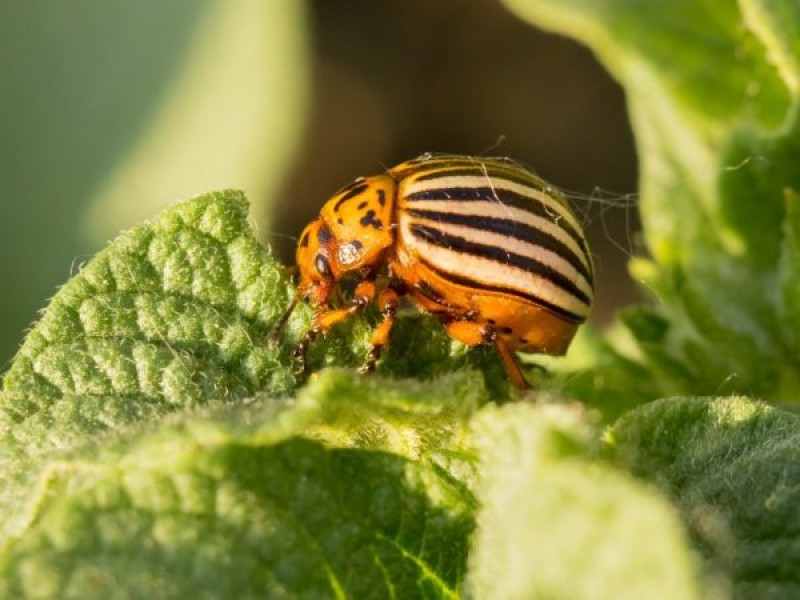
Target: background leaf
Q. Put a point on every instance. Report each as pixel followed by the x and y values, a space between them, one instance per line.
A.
pixel 730 465
pixel 713 96
pixel 113 110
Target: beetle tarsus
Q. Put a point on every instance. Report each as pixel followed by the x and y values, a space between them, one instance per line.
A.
pixel 301 350
pixel 373 356
pixel 277 328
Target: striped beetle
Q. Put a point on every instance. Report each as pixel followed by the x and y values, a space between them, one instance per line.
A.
pixel 486 246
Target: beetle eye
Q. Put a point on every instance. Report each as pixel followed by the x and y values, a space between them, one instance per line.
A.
pixel 323 266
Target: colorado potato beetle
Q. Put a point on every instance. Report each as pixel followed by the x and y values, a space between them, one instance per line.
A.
pixel 489 248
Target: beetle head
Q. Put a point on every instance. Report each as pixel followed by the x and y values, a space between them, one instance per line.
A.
pixel 316 262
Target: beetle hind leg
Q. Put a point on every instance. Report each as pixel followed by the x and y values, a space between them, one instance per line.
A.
pixel 472 334
pixel 511 364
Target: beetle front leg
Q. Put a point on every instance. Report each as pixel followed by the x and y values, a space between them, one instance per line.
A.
pixel 388 302
pixel 325 319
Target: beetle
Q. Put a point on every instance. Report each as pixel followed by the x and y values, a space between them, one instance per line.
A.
pixel 483 244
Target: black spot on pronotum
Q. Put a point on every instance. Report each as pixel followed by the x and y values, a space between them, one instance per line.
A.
pixel 362 205
pixel 369 219
pixel 324 234
pixel 340 221
pixel 381 197
pixel 355 191
pixel 323 266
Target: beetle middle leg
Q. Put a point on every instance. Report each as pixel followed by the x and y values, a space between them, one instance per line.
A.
pixel 388 301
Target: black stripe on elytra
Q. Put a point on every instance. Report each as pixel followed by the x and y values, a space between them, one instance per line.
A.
pixel 430 293
pixel 456 243
pixel 501 196
pixel 353 192
pixel 564 314
pixel 515 229
pixel 487 170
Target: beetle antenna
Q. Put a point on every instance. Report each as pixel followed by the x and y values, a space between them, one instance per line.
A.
pixel 281 322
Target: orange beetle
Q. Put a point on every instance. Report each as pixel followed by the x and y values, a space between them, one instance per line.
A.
pixel 486 246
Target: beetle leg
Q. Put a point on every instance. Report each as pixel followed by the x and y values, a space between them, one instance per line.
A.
pixel 511 364
pixel 467 332
pixel 472 334
pixel 278 326
pixel 388 301
pixel 302 348
pixel 325 318
pixel 364 292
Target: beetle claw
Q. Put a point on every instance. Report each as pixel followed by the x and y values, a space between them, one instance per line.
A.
pixel 373 356
pixel 301 350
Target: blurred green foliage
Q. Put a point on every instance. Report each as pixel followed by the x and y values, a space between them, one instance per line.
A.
pixel 111 110
pixel 152 442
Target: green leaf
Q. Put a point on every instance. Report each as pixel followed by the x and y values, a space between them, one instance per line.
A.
pixel 407 417
pixel 236 506
pixel 730 465
pixel 555 524
pixel 147 445
pixel 712 89
pixel 172 314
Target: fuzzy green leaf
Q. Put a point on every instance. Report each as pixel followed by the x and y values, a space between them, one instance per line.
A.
pixel 730 465
pixel 554 524
pixel 145 448
pixel 236 506
pixel 172 314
